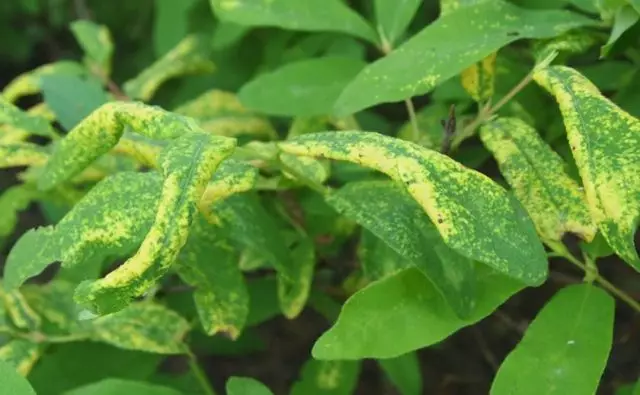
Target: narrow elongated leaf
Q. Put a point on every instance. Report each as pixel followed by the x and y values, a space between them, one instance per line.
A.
pixel 404 372
pixel 20 353
pixel 17 119
pixel 187 164
pixel 391 214
pixel 246 386
pixel 305 88
pixel 478 79
pixel 97 45
pixel 428 58
pixel 112 386
pixel 221 296
pixel 539 180
pixel 327 377
pixel 309 15
pixel 294 288
pixel 29 83
pixel 408 306
pixel 605 142
pixel 190 56
pixel 393 18
pixel 12 382
pixel 142 326
pixel 22 154
pixel 565 349
pixel 475 217
pixel 221 113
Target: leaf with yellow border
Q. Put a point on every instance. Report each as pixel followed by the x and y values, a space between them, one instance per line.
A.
pixel 22 354
pixel 539 180
pixel 29 82
pixel 22 154
pixel 13 117
pixel 605 142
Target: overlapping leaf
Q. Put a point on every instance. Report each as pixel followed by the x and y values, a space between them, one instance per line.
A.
pixel 97 44
pixel 539 180
pixel 294 289
pixel 605 142
pixel 22 154
pixel 18 310
pixel 29 83
pixel 20 353
pixel 393 17
pixel 475 217
pixel 478 79
pixel 15 119
pixel 12 382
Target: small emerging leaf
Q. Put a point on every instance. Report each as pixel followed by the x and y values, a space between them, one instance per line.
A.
pixel 97 44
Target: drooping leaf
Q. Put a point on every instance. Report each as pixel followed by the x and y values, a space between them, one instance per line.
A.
pixel 565 349
pixel 29 82
pixel 327 378
pixel 393 18
pixel 221 296
pixel 429 58
pixel 221 113
pixel 12 382
pixel 478 79
pixel 97 44
pixel 625 17
pixel 187 164
pixel 190 56
pixel 246 386
pixel 405 304
pixel 16 119
pixel 391 214
pixel 22 354
pixel 112 386
pixel 142 326
pixel 475 217
pixel 605 142
pixel 539 180
pixel 309 15
pixel 22 154
pixel 404 372
pixel 305 88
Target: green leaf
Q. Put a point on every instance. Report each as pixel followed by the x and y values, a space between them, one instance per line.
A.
pixel 112 386
pixel 400 222
pixel 625 17
pixel 190 56
pixel 309 15
pixel 305 88
pixel 12 201
pixel 54 304
pixel 475 217
pixel 209 264
pixel 221 113
pixel 478 79
pixel 327 377
pixel 429 58
pixel 294 287
pixel 405 304
pixel 16 119
pixel 565 349
pixel 12 382
pixel 393 18
pixel 29 83
pixel 17 308
pixel 71 97
pixel 187 164
pixel 404 372
pixel 22 354
pixel 22 154
pixel 605 142
pixel 142 326
pixel 539 180
pixel 377 258
pixel 429 125
pixel 170 23
pixel 97 44
pixel 246 386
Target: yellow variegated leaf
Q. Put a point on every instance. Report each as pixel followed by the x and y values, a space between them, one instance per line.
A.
pixel 22 154
pixel 190 56
pixel 142 149
pixel 539 180
pixel 187 164
pixel 22 354
pixel 142 326
pixel 29 83
pixel 17 308
pixel 42 110
pixel 14 118
pixel 231 177
pixel 474 216
pixel 221 113
pixel 293 289
pixel 309 168
pixel 478 79
pixel 54 303
pixel 605 142
pixel 210 265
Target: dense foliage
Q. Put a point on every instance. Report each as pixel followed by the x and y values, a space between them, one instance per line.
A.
pixel 181 175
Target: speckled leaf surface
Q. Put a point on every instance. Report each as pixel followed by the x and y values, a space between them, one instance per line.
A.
pixel 22 154
pixel 408 306
pixel 22 354
pixel 96 43
pixel 231 177
pixel 429 58
pixel 475 217
pixel 18 310
pixel 107 222
pixel 54 304
pixel 143 326
pixel 221 113
pixel 309 168
pixel 327 378
pixel 565 349
pixel 478 79
pixel 605 142
pixel 537 175
pixel 12 382
pixel 392 215
pixel 393 17
pixel 190 56
pixel 29 82
pixel 309 15
pixel 187 164
pixel 13 117
pixel 211 266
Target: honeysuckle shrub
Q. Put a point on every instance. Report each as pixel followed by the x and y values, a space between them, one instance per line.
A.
pixel 203 195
